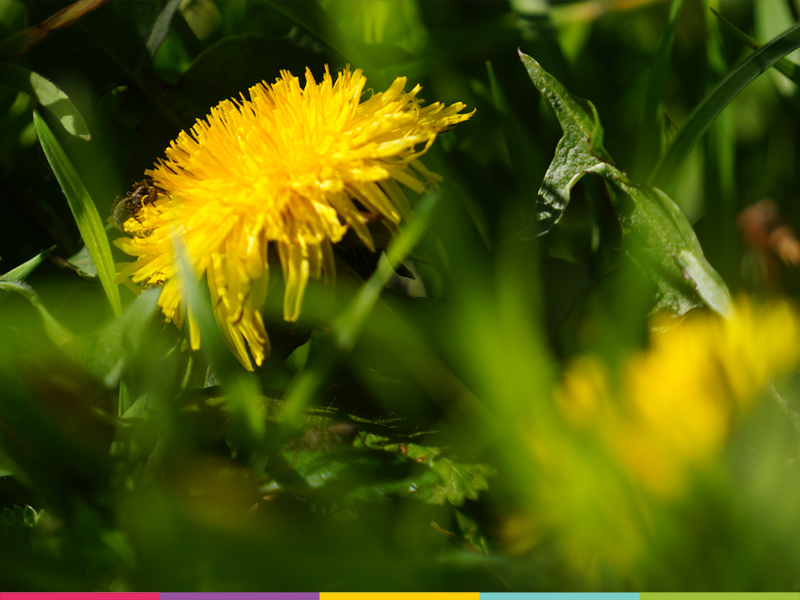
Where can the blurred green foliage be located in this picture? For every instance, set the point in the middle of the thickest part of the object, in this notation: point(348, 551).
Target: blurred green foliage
point(386, 443)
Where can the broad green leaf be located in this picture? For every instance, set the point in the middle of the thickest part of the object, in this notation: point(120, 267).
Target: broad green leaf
point(651, 140)
point(658, 238)
point(82, 263)
point(373, 467)
point(663, 244)
point(704, 113)
point(580, 150)
point(345, 465)
point(48, 95)
point(59, 334)
point(458, 482)
point(83, 209)
point(242, 388)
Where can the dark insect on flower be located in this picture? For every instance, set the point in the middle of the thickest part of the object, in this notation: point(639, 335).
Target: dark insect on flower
point(127, 207)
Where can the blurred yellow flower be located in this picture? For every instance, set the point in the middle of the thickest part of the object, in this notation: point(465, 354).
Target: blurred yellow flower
point(622, 443)
point(293, 167)
point(683, 395)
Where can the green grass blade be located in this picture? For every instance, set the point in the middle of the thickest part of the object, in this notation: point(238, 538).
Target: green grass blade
point(125, 401)
point(652, 139)
point(161, 26)
point(21, 272)
point(346, 327)
point(59, 334)
point(83, 209)
point(784, 65)
point(48, 95)
point(242, 388)
point(738, 33)
point(701, 117)
point(121, 338)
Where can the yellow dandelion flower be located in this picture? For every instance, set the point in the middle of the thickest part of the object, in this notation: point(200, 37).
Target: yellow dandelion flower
point(626, 447)
point(679, 398)
point(685, 393)
point(295, 167)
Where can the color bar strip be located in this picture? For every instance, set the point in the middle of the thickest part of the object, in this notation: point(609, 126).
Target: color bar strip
point(720, 596)
point(79, 596)
point(237, 596)
point(399, 596)
point(564, 596)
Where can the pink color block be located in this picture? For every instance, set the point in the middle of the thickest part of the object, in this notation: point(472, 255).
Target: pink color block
point(78, 595)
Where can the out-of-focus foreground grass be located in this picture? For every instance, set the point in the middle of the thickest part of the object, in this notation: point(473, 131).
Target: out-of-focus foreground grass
point(572, 411)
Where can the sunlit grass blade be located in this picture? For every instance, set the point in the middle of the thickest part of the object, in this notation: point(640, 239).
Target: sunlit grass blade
point(651, 141)
point(48, 95)
point(122, 337)
point(704, 113)
point(348, 324)
point(784, 65)
point(346, 327)
point(83, 209)
point(161, 26)
point(59, 334)
point(242, 388)
point(119, 339)
point(125, 400)
point(21, 272)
